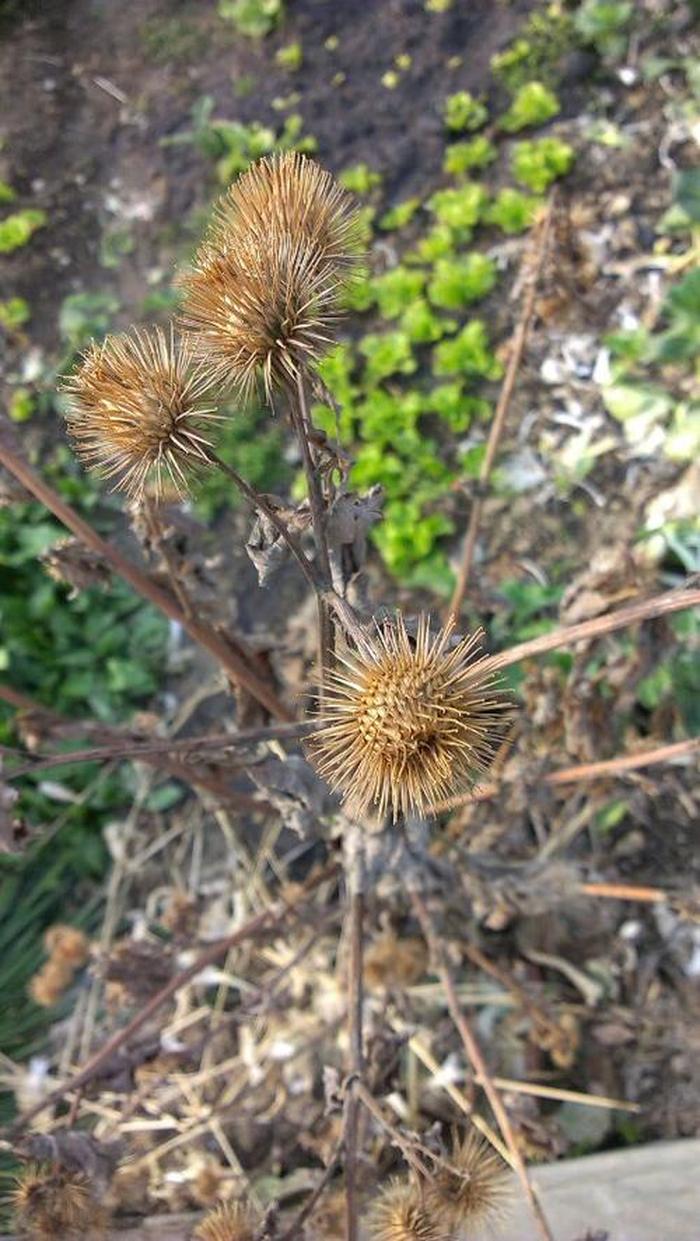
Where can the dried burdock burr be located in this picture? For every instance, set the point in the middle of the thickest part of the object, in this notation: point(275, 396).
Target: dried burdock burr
point(231, 1221)
point(406, 722)
point(401, 1212)
point(48, 985)
point(476, 1193)
point(52, 1202)
point(138, 404)
point(292, 194)
point(67, 943)
point(264, 291)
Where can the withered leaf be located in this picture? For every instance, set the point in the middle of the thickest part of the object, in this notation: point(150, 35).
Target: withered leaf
point(266, 547)
point(350, 519)
point(295, 790)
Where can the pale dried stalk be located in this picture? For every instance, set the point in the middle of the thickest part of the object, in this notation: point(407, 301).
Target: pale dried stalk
point(514, 358)
point(301, 422)
point(478, 1062)
point(355, 884)
point(647, 609)
point(235, 667)
point(426, 1057)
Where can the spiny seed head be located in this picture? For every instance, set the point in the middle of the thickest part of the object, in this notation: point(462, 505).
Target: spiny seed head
point(406, 722)
point(264, 314)
point(138, 403)
point(402, 1213)
point(291, 194)
point(55, 1203)
point(231, 1221)
point(264, 290)
point(476, 1193)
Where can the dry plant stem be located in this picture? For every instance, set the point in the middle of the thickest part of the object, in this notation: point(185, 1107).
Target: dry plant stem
point(477, 1060)
point(295, 1229)
point(314, 575)
point(355, 883)
point(499, 418)
point(262, 922)
point(236, 668)
point(122, 747)
point(155, 529)
point(300, 422)
point(584, 771)
point(158, 754)
point(625, 762)
point(408, 1149)
point(625, 892)
point(260, 504)
point(647, 609)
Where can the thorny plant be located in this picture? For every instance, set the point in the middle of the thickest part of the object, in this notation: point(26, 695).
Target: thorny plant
point(406, 718)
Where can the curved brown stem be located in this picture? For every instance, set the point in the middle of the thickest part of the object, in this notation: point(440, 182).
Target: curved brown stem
point(233, 664)
point(647, 609)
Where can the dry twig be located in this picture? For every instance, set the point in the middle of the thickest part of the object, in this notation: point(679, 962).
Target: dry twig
point(531, 279)
point(477, 1061)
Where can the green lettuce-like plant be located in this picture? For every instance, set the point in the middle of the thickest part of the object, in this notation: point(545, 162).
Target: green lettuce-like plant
point(460, 208)
point(533, 104)
point(540, 162)
point(461, 157)
point(16, 229)
point(463, 111)
point(360, 178)
point(396, 289)
point(459, 281)
point(468, 353)
point(254, 18)
point(422, 325)
point(400, 215)
point(512, 211)
point(387, 353)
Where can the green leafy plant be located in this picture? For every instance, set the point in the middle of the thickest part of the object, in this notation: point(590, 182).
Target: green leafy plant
point(290, 57)
point(360, 178)
point(461, 157)
point(422, 325)
point(533, 104)
point(85, 315)
point(459, 281)
point(21, 406)
point(254, 18)
point(460, 209)
point(17, 229)
point(468, 353)
point(233, 145)
point(437, 242)
point(604, 24)
point(463, 111)
point(399, 216)
point(14, 313)
point(98, 654)
point(512, 211)
point(546, 37)
point(540, 162)
point(387, 353)
point(456, 407)
point(396, 289)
